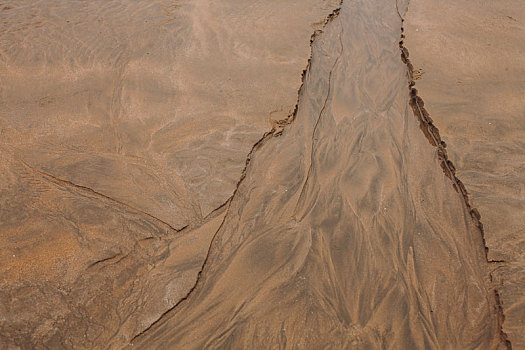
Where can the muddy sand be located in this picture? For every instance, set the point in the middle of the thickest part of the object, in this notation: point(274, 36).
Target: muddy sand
point(215, 174)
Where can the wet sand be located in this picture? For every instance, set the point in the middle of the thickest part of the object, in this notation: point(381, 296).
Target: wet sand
point(170, 180)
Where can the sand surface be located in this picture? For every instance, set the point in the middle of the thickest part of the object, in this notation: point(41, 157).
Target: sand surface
point(217, 174)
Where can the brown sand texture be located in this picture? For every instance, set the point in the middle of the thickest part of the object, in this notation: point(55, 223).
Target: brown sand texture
point(262, 175)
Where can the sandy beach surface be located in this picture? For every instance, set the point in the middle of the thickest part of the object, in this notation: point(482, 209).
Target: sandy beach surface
point(295, 174)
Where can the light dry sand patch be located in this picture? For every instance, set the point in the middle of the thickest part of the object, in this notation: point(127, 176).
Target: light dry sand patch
point(472, 57)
